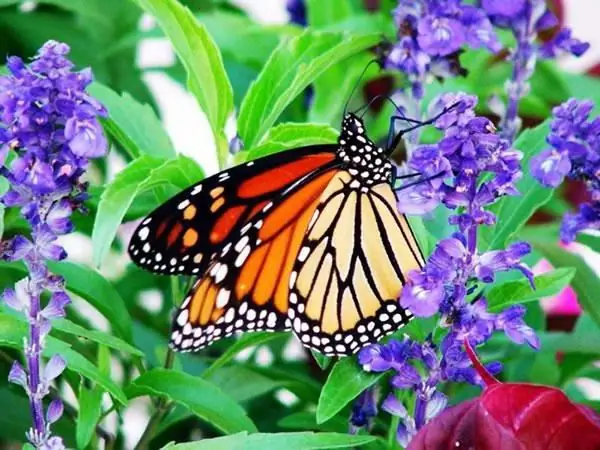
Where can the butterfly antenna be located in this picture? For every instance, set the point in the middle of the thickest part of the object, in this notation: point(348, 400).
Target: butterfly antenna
point(365, 107)
point(373, 61)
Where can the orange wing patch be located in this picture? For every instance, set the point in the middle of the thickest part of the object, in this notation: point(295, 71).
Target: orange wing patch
point(247, 287)
point(277, 178)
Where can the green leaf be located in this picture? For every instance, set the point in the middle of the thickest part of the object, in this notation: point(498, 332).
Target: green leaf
point(305, 420)
point(345, 382)
point(134, 125)
point(322, 360)
point(90, 403)
point(139, 176)
point(204, 399)
point(100, 337)
point(585, 282)
point(288, 441)
point(293, 65)
point(513, 212)
point(512, 292)
point(333, 89)
point(90, 409)
point(245, 341)
point(199, 54)
point(320, 14)
point(90, 285)
point(12, 333)
point(290, 135)
point(241, 383)
point(241, 38)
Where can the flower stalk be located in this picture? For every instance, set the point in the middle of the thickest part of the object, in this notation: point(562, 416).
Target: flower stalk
point(49, 131)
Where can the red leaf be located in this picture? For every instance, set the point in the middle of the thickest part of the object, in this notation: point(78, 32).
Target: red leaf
point(512, 416)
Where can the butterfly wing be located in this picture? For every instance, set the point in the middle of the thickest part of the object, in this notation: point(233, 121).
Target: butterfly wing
point(246, 287)
point(350, 269)
point(182, 235)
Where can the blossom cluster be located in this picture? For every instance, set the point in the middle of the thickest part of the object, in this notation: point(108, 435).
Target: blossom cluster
point(430, 35)
point(574, 153)
point(457, 172)
point(49, 130)
point(525, 19)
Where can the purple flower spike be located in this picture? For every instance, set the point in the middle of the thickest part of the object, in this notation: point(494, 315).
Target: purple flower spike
point(525, 19)
point(431, 35)
point(49, 127)
point(574, 139)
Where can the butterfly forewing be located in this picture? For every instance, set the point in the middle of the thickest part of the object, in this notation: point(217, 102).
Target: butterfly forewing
point(246, 288)
point(183, 235)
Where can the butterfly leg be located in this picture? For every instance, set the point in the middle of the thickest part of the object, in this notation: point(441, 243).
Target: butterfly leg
point(418, 124)
point(424, 180)
point(392, 128)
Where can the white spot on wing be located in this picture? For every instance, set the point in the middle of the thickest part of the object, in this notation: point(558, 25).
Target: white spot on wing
point(143, 233)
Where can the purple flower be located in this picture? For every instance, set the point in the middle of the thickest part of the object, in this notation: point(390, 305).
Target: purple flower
point(17, 374)
point(430, 36)
point(588, 217)
point(574, 153)
point(50, 124)
point(406, 428)
point(511, 321)
point(423, 294)
point(297, 11)
point(505, 8)
point(440, 36)
point(55, 411)
point(364, 409)
point(563, 41)
point(475, 167)
point(407, 356)
point(550, 167)
point(525, 19)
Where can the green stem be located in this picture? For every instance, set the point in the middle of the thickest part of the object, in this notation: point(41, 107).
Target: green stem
point(222, 150)
point(175, 291)
point(162, 408)
point(392, 442)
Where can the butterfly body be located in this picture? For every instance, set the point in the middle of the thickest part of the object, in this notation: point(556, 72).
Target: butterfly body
point(308, 240)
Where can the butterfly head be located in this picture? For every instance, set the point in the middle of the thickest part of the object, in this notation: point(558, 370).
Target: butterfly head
point(365, 160)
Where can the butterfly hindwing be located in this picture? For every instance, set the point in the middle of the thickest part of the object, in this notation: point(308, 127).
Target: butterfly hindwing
point(246, 287)
point(182, 235)
point(350, 269)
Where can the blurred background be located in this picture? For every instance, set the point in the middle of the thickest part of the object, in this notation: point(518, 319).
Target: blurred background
point(128, 54)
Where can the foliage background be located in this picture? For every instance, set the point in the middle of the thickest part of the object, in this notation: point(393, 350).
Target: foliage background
point(119, 325)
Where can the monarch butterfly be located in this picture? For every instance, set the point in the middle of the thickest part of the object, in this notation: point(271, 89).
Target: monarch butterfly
point(307, 239)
